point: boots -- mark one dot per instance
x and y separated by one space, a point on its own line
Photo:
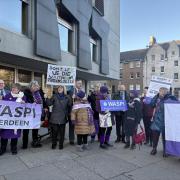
127 145
107 141
154 151
80 148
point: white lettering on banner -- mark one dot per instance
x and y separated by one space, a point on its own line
156 83
61 75
116 103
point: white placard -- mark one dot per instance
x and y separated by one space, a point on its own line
156 83
61 75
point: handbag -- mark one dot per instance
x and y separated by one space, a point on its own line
105 120
45 123
140 136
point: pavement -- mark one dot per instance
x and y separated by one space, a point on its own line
116 163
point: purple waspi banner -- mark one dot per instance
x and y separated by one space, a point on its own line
15 115
113 105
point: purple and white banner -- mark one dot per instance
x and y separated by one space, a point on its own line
15 115
113 105
172 127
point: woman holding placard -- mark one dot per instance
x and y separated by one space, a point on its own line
59 116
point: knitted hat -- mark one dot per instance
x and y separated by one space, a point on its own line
81 94
103 89
135 93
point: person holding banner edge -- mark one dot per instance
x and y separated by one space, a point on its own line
158 124
5 134
34 95
120 116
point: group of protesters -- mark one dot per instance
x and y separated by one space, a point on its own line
83 114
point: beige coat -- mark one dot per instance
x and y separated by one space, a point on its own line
80 118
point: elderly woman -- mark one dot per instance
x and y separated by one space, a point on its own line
61 104
82 117
34 95
134 115
158 125
5 134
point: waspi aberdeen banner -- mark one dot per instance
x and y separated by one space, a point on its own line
15 115
113 105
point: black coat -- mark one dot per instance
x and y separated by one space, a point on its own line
118 96
60 109
133 116
92 101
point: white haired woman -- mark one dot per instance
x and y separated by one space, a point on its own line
34 95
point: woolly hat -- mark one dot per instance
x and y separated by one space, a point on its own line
81 94
135 93
103 89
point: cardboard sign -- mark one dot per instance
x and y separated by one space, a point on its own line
156 83
61 75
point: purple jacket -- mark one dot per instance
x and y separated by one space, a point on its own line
9 133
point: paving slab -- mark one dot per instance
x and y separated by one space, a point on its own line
107 166
46 157
11 164
153 172
76 171
49 172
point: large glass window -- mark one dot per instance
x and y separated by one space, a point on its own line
66 36
24 76
8 75
13 15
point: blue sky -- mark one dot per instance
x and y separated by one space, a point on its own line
141 19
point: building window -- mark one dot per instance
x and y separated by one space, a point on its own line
131 87
162 69
176 76
138 87
14 15
8 75
66 35
153 69
93 46
173 52
162 57
38 78
138 75
131 65
99 6
121 75
24 76
131 76
153 57
121 65
138 64
175 63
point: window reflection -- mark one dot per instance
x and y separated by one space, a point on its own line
24 76
8 75
10 16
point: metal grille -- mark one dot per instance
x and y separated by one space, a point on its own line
99 4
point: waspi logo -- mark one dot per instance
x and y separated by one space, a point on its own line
113 105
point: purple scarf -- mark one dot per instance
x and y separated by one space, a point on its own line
37 97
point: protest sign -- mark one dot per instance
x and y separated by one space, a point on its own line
61 75
156 83
172 128
15 115
113 105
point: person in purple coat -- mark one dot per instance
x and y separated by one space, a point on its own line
13 134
